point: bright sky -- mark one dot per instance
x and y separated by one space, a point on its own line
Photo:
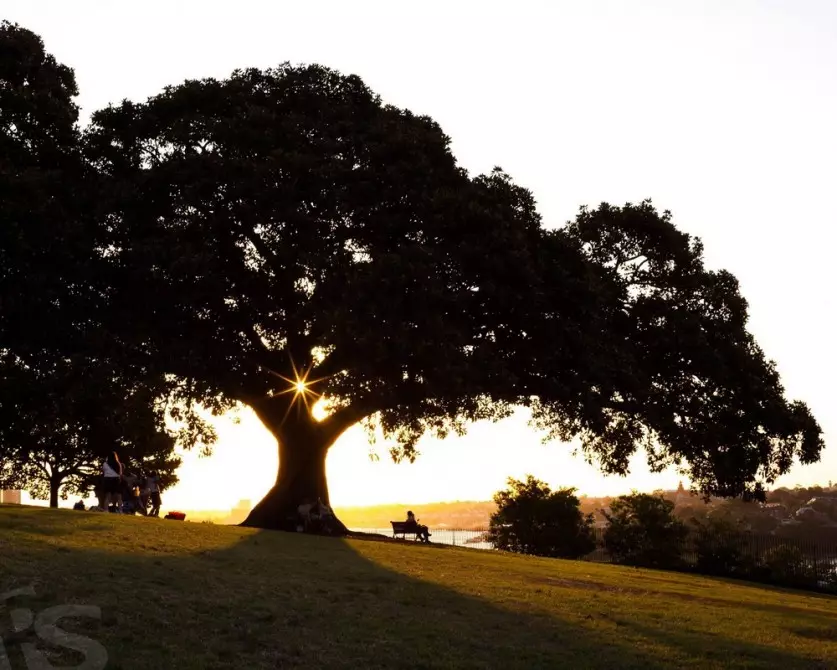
722 111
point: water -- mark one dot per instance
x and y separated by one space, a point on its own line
473 539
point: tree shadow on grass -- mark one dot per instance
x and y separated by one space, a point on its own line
758 590
718 652
222 597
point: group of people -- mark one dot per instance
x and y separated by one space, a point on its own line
124 492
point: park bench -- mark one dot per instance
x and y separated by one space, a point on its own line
403 528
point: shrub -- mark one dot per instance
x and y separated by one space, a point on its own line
787 565
533 519
719 549
643 531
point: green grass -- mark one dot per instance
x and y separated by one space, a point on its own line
181 595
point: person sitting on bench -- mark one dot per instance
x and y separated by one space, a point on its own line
423 531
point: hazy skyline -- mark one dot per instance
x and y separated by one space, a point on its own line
722 112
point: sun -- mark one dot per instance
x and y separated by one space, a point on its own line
302 388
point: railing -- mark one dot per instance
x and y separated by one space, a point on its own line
771 559
474 538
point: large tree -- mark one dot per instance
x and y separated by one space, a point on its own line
283 236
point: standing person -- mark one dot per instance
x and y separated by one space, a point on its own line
144 493
154 492
112 482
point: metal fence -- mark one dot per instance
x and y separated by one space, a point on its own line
475 538
770 559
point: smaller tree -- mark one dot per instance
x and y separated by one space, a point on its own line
643 531
533 519
720 546
60 418
67 466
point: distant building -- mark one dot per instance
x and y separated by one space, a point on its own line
243 505
812 515
822 500
11 497
776 510
682 496
239 512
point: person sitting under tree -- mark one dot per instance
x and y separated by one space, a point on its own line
423 531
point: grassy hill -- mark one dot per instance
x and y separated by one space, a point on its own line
180 595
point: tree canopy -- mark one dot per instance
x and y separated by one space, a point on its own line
282 236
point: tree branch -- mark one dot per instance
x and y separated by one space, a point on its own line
43 468
249 332
294 343
333 364
346 417
264 251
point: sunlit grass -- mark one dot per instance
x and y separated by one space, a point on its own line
181 595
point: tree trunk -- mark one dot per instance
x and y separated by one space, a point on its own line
54 486
303 446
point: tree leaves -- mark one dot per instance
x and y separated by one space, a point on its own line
533 519
68 392
231 233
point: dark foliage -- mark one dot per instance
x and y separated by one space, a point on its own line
720 548
643 531
287 220
66 418
68 394
533 519
226 238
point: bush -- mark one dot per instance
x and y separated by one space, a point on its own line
643 531
719 548
532 519
787 565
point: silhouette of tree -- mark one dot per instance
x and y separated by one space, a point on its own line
643 531
720 546
533 519
44 244
62 376
63 420
282 236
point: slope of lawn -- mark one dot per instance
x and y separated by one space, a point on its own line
181 595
